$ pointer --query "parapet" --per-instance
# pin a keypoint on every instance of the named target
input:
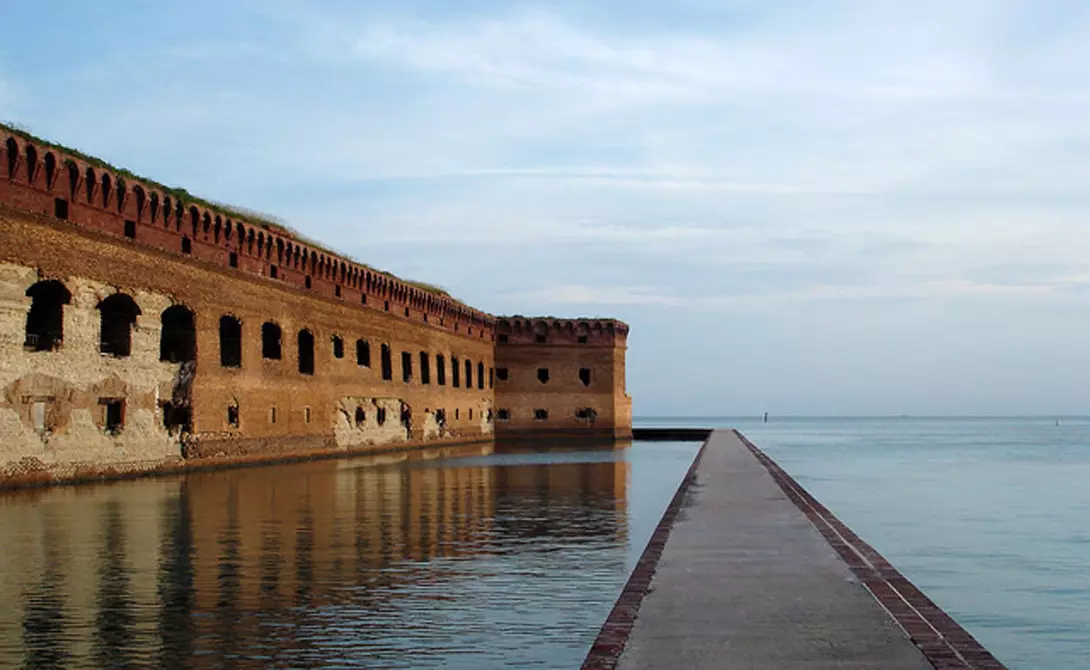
(85, 191)
(553, 331)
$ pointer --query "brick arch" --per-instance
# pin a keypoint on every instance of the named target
(228, 231)
(153, 206)
(194, 219)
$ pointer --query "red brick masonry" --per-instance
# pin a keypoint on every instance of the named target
(944, 643)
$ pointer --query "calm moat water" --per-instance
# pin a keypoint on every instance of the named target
(459, 558)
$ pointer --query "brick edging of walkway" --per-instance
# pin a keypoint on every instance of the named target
(607, 647)
(943, 641)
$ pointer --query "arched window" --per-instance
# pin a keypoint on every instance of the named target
(440, 370)
(406, 367)
(230, 342)
(178, 341)
(363, 353)
(480, 375)
(469, 374)
(338, 347)
(45, 320)
(118, 313)
(387, 364)
(270, 341)
(455, 375)
(306, 352)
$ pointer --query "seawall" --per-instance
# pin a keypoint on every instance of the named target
(747, 570)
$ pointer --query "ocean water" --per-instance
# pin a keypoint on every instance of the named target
(988, 516)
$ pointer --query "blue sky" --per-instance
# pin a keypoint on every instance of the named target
(800, 207)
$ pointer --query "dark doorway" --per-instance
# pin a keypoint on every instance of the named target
(270, 341)
(45, 321)
(178, 338)
(118, 315)
(230, 342)
(306, 352)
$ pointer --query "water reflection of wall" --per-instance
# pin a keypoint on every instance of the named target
(240, 561)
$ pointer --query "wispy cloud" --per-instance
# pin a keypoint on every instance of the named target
(894, 163)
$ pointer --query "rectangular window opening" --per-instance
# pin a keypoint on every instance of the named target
(232, 416)
(541, 414)
(130, 230)
(406, 367)
(60, 208)
(113, 414)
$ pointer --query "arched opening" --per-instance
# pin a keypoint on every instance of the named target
(107, 183)
(387, 364)
(230, 342)
(89, 182)
(306, 352)
(584, 376)
(73, 177)
(440, 370)
(425, 368)
(31, 163)
(270, 341)
(118, 313)
(338, 347)
(45, 320)
(50, 169)
(361, 417)
(363, 353)
(11, 149)
(469, 374)
(178, 341)
(406, 367)
(153, 206)
(480, 375)
(455, 375)
(121, 194)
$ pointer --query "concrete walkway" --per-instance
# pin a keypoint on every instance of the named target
(745, 581)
